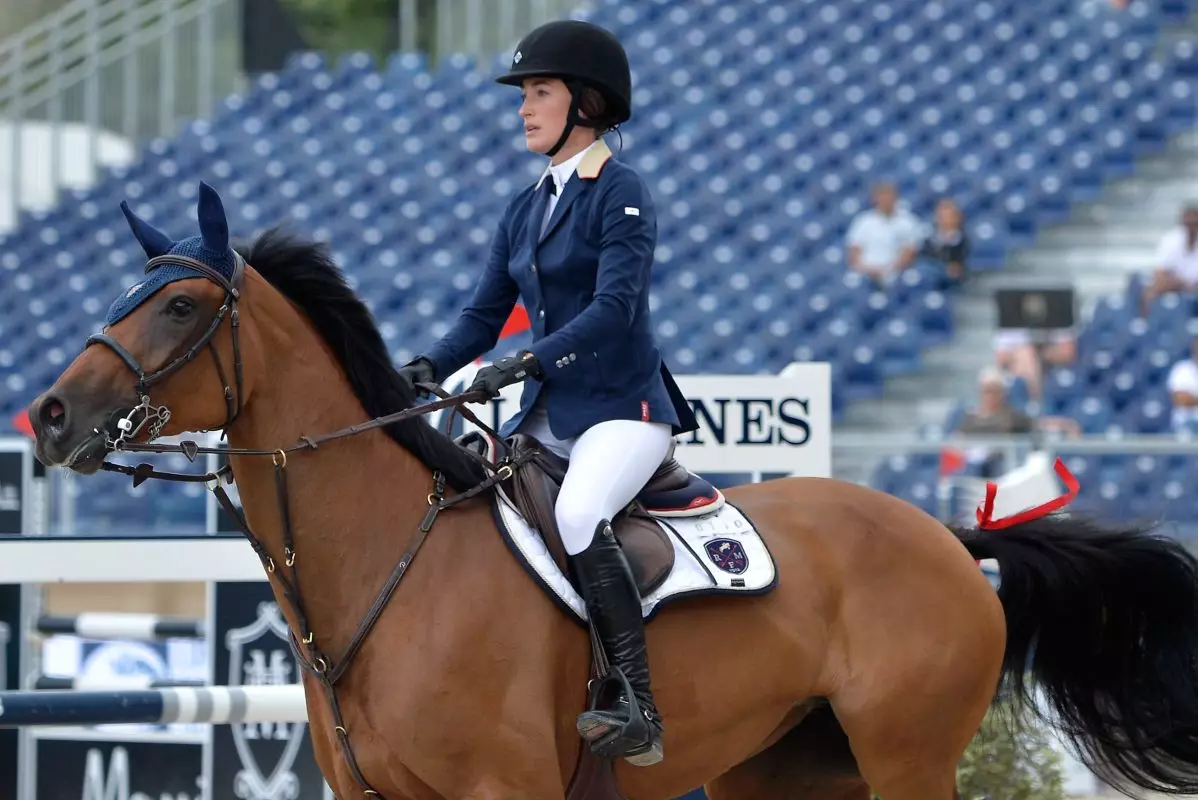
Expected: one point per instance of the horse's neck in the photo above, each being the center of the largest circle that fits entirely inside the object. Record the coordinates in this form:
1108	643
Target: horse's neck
351	503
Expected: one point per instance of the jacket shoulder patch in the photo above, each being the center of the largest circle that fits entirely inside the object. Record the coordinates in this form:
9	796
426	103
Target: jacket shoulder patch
592	163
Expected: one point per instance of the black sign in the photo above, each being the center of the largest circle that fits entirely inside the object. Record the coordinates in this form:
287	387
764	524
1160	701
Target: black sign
12	472
250	647
116	770
270	759
8	738
1035	309
12	481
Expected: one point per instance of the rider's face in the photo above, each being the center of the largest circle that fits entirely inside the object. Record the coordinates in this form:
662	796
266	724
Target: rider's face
544	111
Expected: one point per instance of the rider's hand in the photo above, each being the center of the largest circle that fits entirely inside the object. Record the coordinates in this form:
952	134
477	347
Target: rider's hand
505	372
418	370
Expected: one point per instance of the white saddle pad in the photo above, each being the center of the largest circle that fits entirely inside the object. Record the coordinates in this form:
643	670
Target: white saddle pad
715	553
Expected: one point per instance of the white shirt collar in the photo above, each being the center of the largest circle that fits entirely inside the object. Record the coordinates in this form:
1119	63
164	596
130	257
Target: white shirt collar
562	172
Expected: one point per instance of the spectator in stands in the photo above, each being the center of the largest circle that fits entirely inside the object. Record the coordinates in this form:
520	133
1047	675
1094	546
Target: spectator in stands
1017	352
1183	392
884	240
1176	260
995	416
947	244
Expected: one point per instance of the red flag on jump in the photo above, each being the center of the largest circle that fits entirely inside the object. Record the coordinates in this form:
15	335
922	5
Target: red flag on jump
985	511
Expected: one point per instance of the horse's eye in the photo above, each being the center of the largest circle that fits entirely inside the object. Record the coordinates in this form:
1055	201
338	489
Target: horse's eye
180	307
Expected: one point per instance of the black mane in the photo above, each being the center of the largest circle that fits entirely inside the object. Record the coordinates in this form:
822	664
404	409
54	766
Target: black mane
305	273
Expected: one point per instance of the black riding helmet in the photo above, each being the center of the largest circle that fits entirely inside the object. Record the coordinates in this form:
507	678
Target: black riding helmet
581	55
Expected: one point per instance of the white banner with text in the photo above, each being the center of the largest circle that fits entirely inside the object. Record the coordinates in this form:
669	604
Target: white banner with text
747	423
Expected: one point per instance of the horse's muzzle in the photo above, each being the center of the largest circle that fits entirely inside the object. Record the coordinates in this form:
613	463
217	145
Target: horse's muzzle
70	435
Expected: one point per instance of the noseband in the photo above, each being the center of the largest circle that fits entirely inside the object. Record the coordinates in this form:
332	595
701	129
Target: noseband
156	417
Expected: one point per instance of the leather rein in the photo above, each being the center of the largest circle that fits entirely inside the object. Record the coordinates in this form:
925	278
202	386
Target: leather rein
327	671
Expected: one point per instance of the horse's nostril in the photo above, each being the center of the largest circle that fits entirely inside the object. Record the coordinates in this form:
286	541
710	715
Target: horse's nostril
53	414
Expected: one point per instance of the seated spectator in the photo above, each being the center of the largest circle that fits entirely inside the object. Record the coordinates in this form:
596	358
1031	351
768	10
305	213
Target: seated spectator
1183	392
884	240
948	244
1017	351
1176	260
995	416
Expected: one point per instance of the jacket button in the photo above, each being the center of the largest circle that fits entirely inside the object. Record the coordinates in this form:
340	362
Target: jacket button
541	313
572	356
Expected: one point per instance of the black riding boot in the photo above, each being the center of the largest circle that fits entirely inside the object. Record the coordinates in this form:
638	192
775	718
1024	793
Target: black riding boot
617	725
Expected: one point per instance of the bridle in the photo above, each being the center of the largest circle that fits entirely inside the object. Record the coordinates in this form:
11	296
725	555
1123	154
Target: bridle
156	417
327	671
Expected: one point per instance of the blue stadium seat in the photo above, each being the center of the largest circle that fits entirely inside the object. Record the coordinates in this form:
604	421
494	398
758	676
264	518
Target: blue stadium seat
758	157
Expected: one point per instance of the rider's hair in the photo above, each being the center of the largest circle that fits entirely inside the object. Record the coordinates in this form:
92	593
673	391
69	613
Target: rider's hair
594	108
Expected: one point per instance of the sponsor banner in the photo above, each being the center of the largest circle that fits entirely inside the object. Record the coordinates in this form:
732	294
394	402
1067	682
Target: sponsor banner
96	769
15	464
12	489
778	424
263	760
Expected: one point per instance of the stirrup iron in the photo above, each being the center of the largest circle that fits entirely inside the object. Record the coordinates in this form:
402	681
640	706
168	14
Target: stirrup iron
626	729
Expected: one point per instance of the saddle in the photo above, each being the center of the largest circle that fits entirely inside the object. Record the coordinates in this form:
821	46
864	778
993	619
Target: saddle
672	491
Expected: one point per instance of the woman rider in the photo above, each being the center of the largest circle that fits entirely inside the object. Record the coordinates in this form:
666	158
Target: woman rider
577	247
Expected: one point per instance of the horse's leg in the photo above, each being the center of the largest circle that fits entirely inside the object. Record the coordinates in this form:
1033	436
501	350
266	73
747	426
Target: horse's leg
811	762
909	718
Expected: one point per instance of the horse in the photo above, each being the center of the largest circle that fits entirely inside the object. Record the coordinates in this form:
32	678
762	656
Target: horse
840	642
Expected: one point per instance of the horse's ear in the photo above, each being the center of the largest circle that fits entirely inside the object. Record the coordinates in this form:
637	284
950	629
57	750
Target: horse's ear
214	227
152	240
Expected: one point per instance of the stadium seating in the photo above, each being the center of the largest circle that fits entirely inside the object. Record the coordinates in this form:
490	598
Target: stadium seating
758	127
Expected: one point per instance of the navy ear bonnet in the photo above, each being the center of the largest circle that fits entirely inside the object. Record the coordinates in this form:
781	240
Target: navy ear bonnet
211	247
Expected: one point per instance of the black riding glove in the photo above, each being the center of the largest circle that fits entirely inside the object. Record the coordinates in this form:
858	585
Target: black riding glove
418	370
506	371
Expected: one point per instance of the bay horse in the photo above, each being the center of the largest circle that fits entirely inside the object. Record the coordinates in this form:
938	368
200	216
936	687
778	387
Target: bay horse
440	664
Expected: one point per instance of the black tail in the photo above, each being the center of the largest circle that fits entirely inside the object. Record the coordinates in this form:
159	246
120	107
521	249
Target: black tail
1105	622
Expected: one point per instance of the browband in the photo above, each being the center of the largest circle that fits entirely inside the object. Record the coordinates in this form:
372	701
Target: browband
231	286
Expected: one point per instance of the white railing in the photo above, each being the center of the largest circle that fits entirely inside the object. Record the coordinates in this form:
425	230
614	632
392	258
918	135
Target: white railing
83	86
958	494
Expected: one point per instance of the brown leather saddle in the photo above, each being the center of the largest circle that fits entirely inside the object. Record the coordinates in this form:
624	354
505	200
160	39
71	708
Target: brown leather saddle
672	490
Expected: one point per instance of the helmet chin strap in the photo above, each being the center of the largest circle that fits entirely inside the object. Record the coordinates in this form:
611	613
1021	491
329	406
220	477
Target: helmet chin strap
572	118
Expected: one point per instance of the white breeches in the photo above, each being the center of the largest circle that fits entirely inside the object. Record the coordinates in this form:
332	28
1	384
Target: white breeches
609	464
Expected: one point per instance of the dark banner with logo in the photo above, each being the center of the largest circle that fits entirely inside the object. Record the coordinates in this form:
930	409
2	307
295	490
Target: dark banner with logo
12	490
12	500
104	770
270	759
250	648
8	673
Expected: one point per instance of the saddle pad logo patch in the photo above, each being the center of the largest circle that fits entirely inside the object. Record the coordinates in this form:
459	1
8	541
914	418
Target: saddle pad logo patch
728	555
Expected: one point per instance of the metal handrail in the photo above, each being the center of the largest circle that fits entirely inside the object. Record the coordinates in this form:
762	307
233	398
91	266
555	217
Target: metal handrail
77	45
108	65
17	42
129	42
44	39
